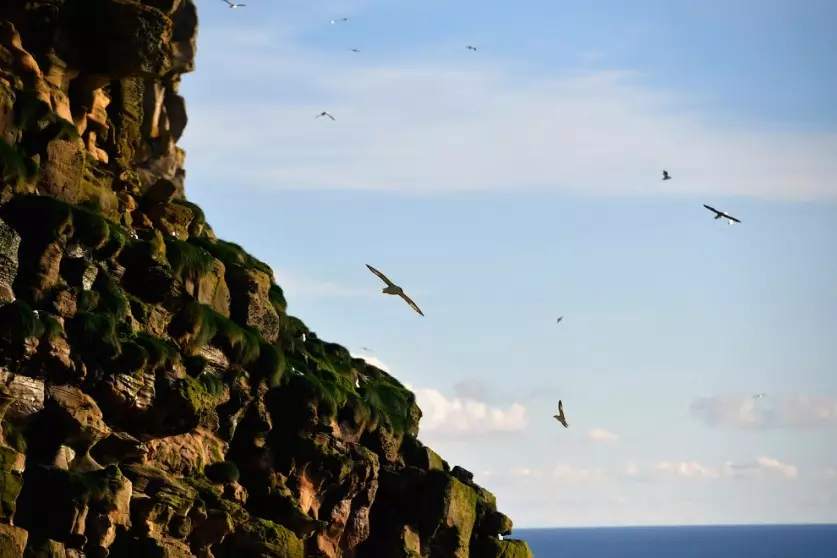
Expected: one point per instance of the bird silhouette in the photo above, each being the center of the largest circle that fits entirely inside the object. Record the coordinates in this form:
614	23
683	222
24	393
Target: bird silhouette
324	113
341	20
560	416
469	47
665	175
231	5
721	214
393	289
559	320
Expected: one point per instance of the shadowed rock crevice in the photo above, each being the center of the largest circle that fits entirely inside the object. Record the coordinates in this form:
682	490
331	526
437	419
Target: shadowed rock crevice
156	397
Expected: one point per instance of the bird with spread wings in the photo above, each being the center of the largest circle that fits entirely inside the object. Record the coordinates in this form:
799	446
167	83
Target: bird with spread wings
560	416
393	289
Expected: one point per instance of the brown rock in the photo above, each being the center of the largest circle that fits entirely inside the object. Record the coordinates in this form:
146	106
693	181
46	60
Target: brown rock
186	454
64	302
27	395
250	303
171	219
162	191
78	421
12	541
211	289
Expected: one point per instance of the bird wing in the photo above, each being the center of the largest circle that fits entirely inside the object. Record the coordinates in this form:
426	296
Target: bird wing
412	304
383	277
227	2
710	208
330	116
560	408
733	218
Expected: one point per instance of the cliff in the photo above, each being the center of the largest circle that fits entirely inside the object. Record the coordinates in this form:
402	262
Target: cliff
157	400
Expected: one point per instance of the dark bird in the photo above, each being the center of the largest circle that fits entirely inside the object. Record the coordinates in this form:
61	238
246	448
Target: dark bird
393	289
231	5
560	416
325	113
559	320
469	47
721	214
341	20
367	349
759	395
665	175
355	50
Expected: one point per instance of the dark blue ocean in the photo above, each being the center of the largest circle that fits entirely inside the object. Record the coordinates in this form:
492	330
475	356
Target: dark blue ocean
736	541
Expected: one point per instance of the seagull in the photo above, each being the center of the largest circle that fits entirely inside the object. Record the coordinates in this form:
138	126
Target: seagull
233	6
135	236
303	338
36	312
665	175
721	214
560	416
559	320
367	349
342	19
393	289
324	113
469	47
354	50
759	395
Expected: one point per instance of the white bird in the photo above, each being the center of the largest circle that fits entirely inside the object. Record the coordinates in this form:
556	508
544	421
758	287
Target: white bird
231	5
721	214
665	175
560	416
324	113
393	289
341	20
469	47
135	236
303	338
36	312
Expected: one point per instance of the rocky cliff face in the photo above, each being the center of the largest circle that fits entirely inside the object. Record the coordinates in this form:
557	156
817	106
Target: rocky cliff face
156	397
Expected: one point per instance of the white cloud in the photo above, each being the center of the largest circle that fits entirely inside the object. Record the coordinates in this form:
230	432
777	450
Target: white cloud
781	411
600	435
435	125
561	472
690	469
452	417
761	466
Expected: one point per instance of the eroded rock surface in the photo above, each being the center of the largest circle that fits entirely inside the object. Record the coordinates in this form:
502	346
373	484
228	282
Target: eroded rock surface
156	397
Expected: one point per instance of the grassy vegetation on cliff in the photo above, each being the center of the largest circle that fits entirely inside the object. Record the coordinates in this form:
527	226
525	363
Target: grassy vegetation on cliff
231	254
15	166
188	261
197	325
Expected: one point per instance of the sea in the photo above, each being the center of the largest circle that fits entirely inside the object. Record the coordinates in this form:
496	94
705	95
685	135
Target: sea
727	541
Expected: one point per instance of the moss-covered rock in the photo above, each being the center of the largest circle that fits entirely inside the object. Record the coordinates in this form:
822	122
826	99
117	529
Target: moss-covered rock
494	548
449	512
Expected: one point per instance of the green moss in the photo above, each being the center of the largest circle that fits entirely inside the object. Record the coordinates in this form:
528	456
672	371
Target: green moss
18	322
198	216
387	403
95	333
117	240
111	298
16	167
97	488
160	352
87	301
201	325
29	109
14	436
197	395
90	228
231	254
222	472
329	395
282	540
486	547
270	364
277	298
52	327
134	357
211	383
189	262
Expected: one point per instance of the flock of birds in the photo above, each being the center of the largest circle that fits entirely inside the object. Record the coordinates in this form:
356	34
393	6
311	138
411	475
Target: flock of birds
395	290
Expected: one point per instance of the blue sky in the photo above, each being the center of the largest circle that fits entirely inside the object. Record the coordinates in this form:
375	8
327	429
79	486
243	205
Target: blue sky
508	186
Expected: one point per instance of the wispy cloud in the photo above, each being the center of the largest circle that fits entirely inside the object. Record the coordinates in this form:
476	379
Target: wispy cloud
780	411
601	435
296	285
761	466
429	124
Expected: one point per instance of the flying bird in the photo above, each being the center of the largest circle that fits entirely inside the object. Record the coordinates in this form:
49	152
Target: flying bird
759	395
469	47
393	289
325	113
342	19
559	320
560	416
367	349
721	214
354	50
665	175
231	5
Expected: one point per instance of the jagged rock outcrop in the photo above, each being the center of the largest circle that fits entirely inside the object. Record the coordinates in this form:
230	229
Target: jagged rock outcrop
156	397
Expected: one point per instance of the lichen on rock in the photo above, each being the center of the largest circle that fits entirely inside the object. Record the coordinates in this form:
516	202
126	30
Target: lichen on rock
156	397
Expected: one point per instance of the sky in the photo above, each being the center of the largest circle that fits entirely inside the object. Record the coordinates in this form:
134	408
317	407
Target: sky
510	185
